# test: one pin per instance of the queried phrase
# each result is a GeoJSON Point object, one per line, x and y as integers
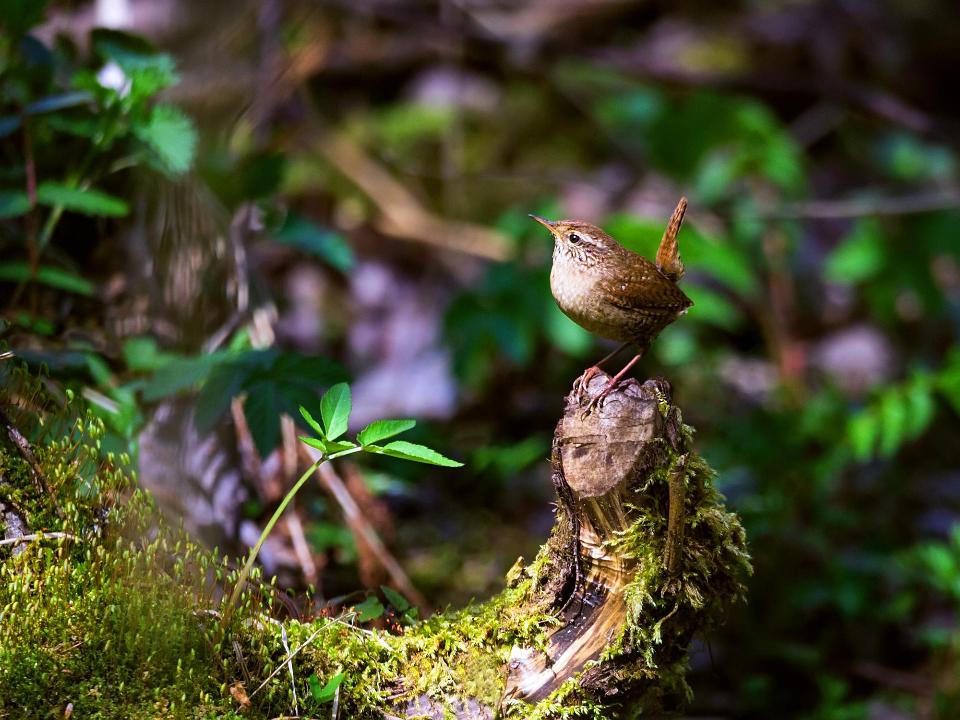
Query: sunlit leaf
{"type": "Point", "coordinates": [335, 410]}
{"type": "Point", "coordinates": [381, 429]}
{"type": "Point", "coordinates": [311, 422]}
{"type": "Point", "coordinates": [412, 451]}
{"type": "Point", "coordinates": [326, 693]}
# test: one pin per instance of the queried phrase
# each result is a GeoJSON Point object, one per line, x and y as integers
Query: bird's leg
{"type": "Point", "coordinates": [598, 400]}
{"type": "Point", "coordinates": [580, 384]}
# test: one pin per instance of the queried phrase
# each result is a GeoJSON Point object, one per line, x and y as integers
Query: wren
{"type": "Point", "coordinates": [613, 292]}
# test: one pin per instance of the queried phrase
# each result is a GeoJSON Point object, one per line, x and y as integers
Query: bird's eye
{"type": "Point", "coordinates": [574, 238]}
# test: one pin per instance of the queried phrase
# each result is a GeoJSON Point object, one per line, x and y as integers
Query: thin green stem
{"type": "Point", "coordinates": [268, 528]}
{"type": "Point", "coordinates": [255, 550]}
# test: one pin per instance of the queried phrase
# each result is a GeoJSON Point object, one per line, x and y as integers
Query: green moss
{"type": "Point", "coordinates": [121, 621]}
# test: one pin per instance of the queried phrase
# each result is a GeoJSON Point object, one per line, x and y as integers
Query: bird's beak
{"type": "Point", "coordinates": [548, 224]}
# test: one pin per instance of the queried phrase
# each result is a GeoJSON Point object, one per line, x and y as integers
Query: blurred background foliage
{"type": "Point", "coordinates": [207, 202]}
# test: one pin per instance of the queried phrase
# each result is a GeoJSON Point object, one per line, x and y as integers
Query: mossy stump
{"type": "Point", "coordinates": [642, 556]}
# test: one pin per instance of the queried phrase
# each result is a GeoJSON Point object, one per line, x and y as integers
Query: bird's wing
{"type": "Point", "coordinates": [642, 287]}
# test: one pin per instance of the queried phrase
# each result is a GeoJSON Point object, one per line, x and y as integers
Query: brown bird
{"type": "Point", "coordinates": [614, 292]}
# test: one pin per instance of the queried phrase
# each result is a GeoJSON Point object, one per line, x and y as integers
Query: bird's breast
{"type": "Point", "coordinates": [574, 288]}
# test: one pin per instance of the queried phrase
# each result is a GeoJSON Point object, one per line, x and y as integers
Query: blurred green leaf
{"type": "Point", "coordinates": [85, 201]}
{"type": "Point", "coordinates": [335, 410]}
{"type": "Point", "coordinates": [399, 602]}
{"type": "Point", "coordinates": [863, 431]}
{"type": "Point", "coordinates": [170, 134]}
{"type": "Point", "coordinates": [13, 203]}
{"type": "Point", "coordinates": [565, 333]}
{"type": "Point", "coordinates": [676, 346]}
{"type": "Point", "coordinates": [47, 275]}
{"type": "Point", "coordinates": [18, 16]}
{"type": "Point", "coordinates": [143, 353]}
{"type": "Point", "coordinates": [382, 429]}
{"type": "Point", "coordinates": [179, 374]}
{"type": "Point", "coordinates": [907, 157]}
{"type": "Point", "coordinates": [712, 308]}
{"type": "Point", "coordinates": [330, 247]}
{"type": "Point", "coordinates": [274, 382]}
{"type": "Point", "coordinates": [370, 609]}
{"type": "Point", "coordinates": [893, 421]}
{"type": "Point", "coordinates": [859, 256]}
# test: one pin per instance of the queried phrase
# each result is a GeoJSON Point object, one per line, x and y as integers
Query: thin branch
{"type": "Point", "coordinates": [39, 536]}
{"type": "Point", "coordinates": [947, 199]}
{"type": "Point", "coordinates": [403, 215]}
{"type": "Point", "coordinates": [26, 452]}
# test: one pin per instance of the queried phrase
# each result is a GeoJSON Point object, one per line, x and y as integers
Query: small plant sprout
{"type": "Point", "coordinates": [334, 419]}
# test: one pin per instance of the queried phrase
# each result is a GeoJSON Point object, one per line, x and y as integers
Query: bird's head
{"type": "Point", "coordinates": [578, 240]}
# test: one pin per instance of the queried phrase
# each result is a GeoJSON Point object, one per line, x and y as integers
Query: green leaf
{"type": "Point", "coordinates": [326, 693]}
{"type": "Point", "coordinates": [859, 256]}
{"type": "Point", "coordinates": [328, 448]}
{"type": "Point", "coordinates": [18, 16]}
{"type": "Point", "coordinates": [712, 308]}
{"type": "Point", "coordinates": [920, 406]}
{"type": "Point", "coordinates": [339, 446]}
{"type": "Point", "coordinates": [369, 609]}
{"type": "Point", "coordinates": [311, 422]}
{"type": "Point", "coordinates": [313, 442]}
{"type": "Point", "coordinates": [330, 247]}
{"type": "Point", "coordinates": [170, 134]}
{"type": "Point", "coordinates": [396, 599]}
{"type": "Point", "coordinates": [142, 353]}
{"type": "Point", "coordinates": [863, 430]}
{"type": "Point", "coordinates": [180, 374]}
{"type": "Point", "coordinates": [382, 429]}
{"type": "Point", "coordinates": [335, 410]}
{"type": "Point", "coordinates": [893, 421]}
{"type": "Point", "coordinates": [13, 203]}
{"type": "Point", "coordinates": [86, 202]}
{"type": "Point", "coordinates": [412, 451]}
{"type": "Point", "coordinates": [47, 275]}
{"type": "Point", "coordinates": [565, 333]}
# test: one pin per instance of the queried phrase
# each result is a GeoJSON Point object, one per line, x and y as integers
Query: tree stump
{"type": "Point", "coordinates": [642, 556]}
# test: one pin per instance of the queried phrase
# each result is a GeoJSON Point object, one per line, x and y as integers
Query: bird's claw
{"type": "Point", "coordinates": [597, 402]}
{"type": "Point", "coordinates": [580, 384]}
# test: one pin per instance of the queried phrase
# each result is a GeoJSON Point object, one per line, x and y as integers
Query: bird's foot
{"type": "Point", "coordinates": [580, 384]}
{"type": "Point", "coordinates": [597, 402]}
